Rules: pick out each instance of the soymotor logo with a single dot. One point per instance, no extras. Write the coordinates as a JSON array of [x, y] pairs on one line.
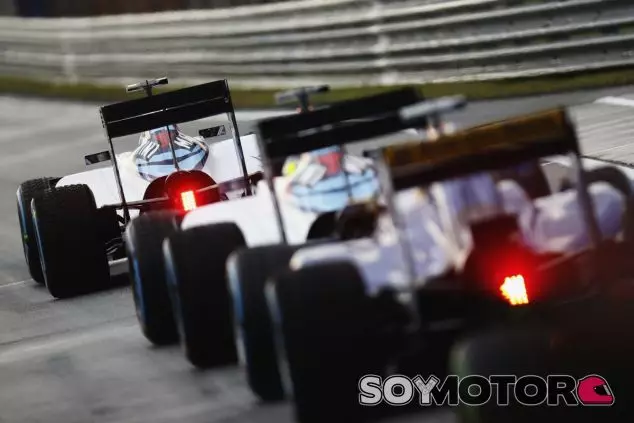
[[554, 390]]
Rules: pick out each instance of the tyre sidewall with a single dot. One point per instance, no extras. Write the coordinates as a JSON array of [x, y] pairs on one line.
[[72, 254], [143, 238]]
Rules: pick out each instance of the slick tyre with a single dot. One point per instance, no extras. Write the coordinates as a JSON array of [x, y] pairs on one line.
[[574, 340], [325, 322], [485, 352], [196, 268], [72, 254], [619, 181], [249, 270], [144, 239], [26, 192]]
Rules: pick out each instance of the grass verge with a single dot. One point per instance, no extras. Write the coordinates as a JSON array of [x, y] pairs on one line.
[[265, 98]]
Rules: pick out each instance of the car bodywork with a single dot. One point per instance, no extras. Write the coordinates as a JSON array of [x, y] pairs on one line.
[[313, 189], [297, 218], [551, 224], [221, 165]]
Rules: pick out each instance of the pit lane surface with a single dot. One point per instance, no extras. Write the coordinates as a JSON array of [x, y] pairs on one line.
[[85, 360]]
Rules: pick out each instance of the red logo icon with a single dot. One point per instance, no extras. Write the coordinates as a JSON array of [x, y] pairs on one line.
[[594, 390], [331, 161]]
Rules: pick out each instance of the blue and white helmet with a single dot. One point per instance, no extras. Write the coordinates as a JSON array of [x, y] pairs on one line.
[[153, 157], [324, 180]]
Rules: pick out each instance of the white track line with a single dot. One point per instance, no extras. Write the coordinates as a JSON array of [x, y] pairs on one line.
[[616, 101], [9, 285]]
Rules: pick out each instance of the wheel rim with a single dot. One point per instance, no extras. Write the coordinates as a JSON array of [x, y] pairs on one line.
[[38, 237], [23, 231], [138, 297]]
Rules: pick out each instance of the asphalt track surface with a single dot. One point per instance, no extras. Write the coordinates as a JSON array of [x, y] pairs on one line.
[[85, 360]]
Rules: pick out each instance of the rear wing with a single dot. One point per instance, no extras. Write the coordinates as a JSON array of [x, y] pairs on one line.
[[290, 135], [143, 114], [487, 147], [161, 110], [479, 149]]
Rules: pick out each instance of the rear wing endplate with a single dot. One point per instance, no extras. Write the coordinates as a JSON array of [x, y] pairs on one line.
[[102, 156], [215, 131], [487, 147]]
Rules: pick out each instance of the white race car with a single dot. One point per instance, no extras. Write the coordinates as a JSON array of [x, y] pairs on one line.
[[455, 254], [71, 226], [145, 235], [311, 193]]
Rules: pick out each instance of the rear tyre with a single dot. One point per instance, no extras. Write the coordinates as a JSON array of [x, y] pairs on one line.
[[249, 270], [144, 239], [196, 268], [575, 339], [72, 255], [26, 192], [500, 351], [324, 320], [611, 175], [619, 181]]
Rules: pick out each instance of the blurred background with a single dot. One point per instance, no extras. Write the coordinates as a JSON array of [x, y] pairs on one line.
[[480, 48]]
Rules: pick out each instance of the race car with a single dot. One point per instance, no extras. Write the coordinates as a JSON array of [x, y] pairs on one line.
[[143, 238], [199, 251], [454, 254], [71, 226]]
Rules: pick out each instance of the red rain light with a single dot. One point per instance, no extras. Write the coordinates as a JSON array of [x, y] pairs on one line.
[[514, 290], [189, 200]]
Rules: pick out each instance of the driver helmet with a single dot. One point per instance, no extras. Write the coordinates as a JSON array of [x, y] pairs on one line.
[[154, 158], [327, 180], [160, 135]]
